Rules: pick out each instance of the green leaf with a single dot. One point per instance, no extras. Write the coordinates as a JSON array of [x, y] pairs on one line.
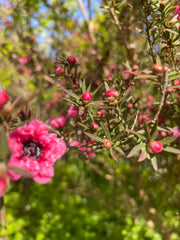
[[106, 131], [171, 150], [148, 136], [22, 172], [72, 94], [153, 130], [4, 148], [154, 163], [135, 149], [168, 140], [94, 137]]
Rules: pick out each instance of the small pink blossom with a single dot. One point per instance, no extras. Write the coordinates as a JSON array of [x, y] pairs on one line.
[[72, 112], [3, 98], [59, 70], [130, 105], [101, 113], [35, 150], [90, 154], [23, 61], [87, 96], [177, 9], [170, 90], [58, 122], [176, 82], [176, 132], [3, 186], [38, 68], [71, 59], [74, 144], [150, 98], [110, 78]]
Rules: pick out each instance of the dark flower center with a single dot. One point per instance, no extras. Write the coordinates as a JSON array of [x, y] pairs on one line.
[[32, 149]]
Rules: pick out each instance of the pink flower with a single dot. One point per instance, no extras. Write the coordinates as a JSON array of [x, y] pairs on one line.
[[87, 96], [72, 112], [3, 98], [155, 147], [35, 151], [150, 98], [112, 93], [177, 9], [71, 59], [170, 90], [74, 144], [38, 68], [58, 122], [110, 78], [59, 70], [177, 81], [3, 186], [130, 105], [23, 61], [176, 132]]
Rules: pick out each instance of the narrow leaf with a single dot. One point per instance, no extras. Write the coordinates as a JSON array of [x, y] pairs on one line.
[[22, 172], [171, 150], [106, 131], [135, 149], [154, 163], [94, 137], [4, 148]]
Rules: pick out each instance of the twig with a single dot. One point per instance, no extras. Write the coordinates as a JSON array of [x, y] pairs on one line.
[[148, 33], [163, 93], [2, 213], [133, 126], [114, 16], [89, 26]]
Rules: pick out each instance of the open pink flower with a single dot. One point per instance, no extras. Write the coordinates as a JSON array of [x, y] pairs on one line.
[[35, 151], [58, 122]]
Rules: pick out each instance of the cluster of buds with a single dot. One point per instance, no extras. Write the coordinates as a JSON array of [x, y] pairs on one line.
[[112, 96]]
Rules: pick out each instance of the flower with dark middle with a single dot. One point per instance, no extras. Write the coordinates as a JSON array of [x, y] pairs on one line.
[[34, 150]]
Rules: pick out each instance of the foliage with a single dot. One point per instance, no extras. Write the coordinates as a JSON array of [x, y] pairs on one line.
[[126, 56]]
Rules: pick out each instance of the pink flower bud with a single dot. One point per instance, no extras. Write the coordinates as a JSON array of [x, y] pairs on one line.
[[107, 144], [23, 61], [87, 96], [58, 122], [170, 90], [3, 98], [71, 59], [110, 78], [130, 105], [177, 81], [112, 93], [155, 147], [59, 70], [150, 98], [101, 113], [94, 126], [135, 67]]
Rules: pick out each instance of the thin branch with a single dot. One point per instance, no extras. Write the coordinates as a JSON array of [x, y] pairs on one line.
[[89, 26], [114, 16], [163, 93], [136, 118]]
